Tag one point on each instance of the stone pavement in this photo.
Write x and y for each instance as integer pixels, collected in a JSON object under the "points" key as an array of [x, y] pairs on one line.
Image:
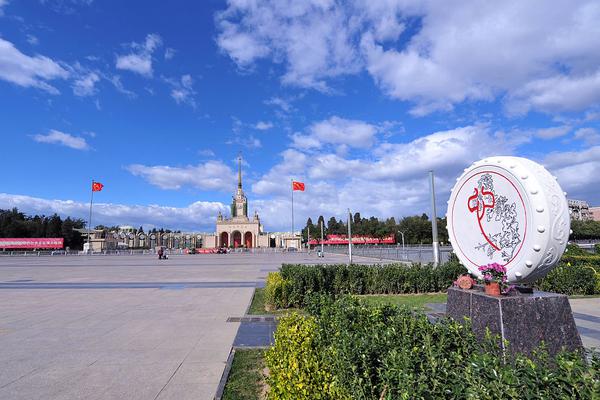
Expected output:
{"points": [[587, 318], [124, 327]]}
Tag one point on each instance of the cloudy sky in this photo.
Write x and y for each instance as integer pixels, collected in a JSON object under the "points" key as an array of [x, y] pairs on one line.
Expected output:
{"points": [[358, 99]]}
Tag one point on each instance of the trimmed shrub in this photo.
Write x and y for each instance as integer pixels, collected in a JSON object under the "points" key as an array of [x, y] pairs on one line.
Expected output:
{"points": [[589, 259], [296, 365], [276, 291], [570, 280], [384, 352], [339, 279]]}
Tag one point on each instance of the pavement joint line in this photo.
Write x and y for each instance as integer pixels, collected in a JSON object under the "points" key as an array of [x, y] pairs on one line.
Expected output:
{"points": [[588, 332], [586, 317], [21, 377]]}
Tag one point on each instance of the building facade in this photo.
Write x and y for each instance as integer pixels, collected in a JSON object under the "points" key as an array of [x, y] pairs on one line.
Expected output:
{"points": [[579, 210], [595, 211], [239, 230]]}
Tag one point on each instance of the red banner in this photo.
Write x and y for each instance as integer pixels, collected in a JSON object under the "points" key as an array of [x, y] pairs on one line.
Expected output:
{"points": [[31, 243], [343, 239]]}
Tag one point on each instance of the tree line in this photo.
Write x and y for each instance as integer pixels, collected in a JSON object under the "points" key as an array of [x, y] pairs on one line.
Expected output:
{"points": [[416, 229], [15, 224]]}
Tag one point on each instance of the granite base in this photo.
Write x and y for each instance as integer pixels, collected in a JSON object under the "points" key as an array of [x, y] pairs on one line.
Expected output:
{"points": [[525, 320]]}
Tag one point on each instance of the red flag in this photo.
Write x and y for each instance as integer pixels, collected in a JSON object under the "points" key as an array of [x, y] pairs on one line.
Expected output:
{"points": [[97, 186], [298, 186]]}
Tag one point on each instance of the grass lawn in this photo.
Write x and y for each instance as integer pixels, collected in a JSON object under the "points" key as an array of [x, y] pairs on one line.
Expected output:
{"points": [[416, 301], [246, 379], [257, 307]]}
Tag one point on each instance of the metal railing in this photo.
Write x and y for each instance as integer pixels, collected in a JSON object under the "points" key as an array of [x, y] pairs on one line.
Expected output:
{"points": [[417, 254]]}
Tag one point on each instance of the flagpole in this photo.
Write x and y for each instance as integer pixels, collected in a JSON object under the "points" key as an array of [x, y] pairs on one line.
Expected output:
{"points": [[292, 209], [90, 218]]}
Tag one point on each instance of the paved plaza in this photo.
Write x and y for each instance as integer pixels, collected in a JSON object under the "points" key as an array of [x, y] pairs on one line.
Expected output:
{"points": [[124, 327], [134, 327]]}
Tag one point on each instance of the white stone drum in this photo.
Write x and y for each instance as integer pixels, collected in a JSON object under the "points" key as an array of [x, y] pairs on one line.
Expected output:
{"points": [[510, 211]]}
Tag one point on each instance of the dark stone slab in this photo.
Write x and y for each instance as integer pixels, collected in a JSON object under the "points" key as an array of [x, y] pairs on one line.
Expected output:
{"points": [[525, 320], [255, 334]]}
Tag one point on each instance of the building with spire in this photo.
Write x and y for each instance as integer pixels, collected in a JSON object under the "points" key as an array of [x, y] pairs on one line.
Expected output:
{"points": [[239, 230]]}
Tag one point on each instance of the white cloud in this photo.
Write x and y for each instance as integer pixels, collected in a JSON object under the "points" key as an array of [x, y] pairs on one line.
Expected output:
{"points": [[248, 141], [284, 105], [182, 90], [389, 179], [29, 71], [336, 130], [557, 93], [116, 81], [140, 59], [578, 172], [206, 153], [169, 53], [198, 216], [590, 136], [553, 132], [311, 38], [3, 4], [263, 125], [86, 85], [212, 175], [63, 139], [456, 51], [31, 39]]}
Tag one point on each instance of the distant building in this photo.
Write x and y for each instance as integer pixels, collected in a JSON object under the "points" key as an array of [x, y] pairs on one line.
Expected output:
{"points": [[579, 210], [595, 211], [238, 231]]}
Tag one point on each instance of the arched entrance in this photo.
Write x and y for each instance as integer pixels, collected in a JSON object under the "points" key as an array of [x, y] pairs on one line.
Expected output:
{"points": [[248, 240], [237, 239], [224, 239]]}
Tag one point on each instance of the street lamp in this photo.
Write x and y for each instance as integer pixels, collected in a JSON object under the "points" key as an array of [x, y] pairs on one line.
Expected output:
{"points": [[403, 248]]}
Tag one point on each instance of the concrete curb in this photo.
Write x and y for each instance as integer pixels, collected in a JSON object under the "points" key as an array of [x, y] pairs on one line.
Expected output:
{"points": [[225, 376]]}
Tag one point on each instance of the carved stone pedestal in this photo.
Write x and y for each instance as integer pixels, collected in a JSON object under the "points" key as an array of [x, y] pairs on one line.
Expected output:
{"points": [[524, 319]]}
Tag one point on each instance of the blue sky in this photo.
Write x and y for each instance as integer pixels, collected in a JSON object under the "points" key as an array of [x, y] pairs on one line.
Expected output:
{"points": [[358, 99]]}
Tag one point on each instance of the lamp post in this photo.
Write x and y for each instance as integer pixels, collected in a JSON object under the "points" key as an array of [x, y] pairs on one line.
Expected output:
{"points": [[349, 238], [322, 239], [403, 247], [434, 231]]}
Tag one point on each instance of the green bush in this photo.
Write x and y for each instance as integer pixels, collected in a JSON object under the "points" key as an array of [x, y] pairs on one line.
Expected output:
{"points": [[574, 250], [570, 280], [304, 280], [589, 259], [296, 366], [384, 352], [276, 291]]}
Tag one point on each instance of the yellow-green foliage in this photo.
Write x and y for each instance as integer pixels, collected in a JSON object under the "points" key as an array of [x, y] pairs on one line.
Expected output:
{"points": [[276, 291], [296, 367]]}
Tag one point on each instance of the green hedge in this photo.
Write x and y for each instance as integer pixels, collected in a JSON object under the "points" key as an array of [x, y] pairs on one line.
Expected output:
{"points": [[302, 280], [348, 349], [578, 279], [589, 259]]}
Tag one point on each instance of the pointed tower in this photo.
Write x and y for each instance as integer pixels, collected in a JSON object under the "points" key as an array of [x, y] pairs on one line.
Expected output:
{"points": [[239, 205]]}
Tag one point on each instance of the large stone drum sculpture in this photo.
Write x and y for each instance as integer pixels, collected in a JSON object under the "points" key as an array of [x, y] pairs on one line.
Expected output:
{"points": [[510, 211]]}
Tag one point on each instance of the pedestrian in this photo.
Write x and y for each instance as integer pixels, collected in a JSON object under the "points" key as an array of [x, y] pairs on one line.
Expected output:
{"points": [[160, 253]]}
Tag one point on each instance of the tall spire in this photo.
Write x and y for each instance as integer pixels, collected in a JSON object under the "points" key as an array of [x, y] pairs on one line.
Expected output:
{"points": [[240, 170]]}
